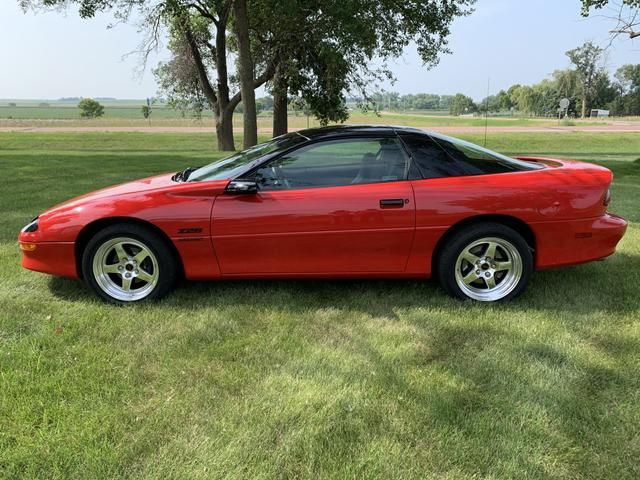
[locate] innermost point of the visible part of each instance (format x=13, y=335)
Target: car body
x=312, y=204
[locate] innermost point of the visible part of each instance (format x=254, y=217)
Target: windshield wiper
x=183, y=176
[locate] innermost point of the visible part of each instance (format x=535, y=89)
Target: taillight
x=607, y=198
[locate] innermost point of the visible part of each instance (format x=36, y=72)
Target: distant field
x=71, y=111
x=128, y=113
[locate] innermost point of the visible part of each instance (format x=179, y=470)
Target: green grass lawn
x=319, y=379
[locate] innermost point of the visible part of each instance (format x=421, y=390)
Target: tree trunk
x=280, y=114
x=224, y=130
x=584, y=103
x=223, y=114
x=224, y=118
x=245, y=69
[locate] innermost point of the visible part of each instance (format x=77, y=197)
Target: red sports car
x=351, y=201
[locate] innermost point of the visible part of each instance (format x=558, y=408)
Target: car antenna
x=486, y=111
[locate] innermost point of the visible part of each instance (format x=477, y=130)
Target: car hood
x=156, y=183
x=136, y=186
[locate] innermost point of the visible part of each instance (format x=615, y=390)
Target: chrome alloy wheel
x=125, y=269
x=488, y=269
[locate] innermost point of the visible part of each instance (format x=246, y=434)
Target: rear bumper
x=572, y=242
x=54, y=258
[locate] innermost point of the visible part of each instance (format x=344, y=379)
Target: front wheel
x=128, y=263
x=486, y=262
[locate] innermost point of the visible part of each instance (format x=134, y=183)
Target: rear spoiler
x=550, y=162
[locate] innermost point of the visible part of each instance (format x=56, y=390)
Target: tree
x=316, y=49
x=586, y=60
x=178, y=79
x=589, y=4
x=604, y=92
x=567, y=82
x=445, y=102
x=493, y=103
x=421, y=101
x=525, y=98
x=147, y=110
x=199, y=31
x=245, y=70
x=462, y=104
x=626, y=15
x=264, y=103
x=503, y=100
x=628, y=85
x=203, y=26
x=89, y=108
x=323, y=49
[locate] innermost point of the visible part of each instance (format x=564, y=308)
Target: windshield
x=471, y=151
x=231, y=166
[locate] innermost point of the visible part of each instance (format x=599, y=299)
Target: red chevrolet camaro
x=352, y=201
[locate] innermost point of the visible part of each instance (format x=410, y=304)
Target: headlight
x=32, y=226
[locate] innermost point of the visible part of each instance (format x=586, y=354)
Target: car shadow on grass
x=608, y=286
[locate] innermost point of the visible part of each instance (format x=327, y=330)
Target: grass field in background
x=128, y=113
x=65, y=112
x=163, y=116
x=321, y=379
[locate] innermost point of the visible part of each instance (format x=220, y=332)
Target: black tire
x=161, y=262
x=449, y=262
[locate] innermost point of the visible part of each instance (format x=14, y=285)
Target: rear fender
x=575, y=189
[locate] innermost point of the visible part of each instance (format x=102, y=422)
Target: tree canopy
x=625, y=13
x=461, y=104
x=587, y=5
x=586, y=60
x=90, y=108
x=620, y=94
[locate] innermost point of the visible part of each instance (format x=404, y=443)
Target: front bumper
x=54, y=258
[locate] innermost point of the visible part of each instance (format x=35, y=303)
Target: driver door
x=332, y=207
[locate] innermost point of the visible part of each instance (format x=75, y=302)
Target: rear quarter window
x=441, y=156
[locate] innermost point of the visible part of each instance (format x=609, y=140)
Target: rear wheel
x=486, y=262
x=128, y=263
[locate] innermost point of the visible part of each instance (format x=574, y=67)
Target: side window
x=430, y=159
x=447, y=157
x=476, y=160
x=336, y=163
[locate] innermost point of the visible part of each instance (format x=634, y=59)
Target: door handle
x=392, y=203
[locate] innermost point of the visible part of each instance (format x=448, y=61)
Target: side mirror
x=236, y=187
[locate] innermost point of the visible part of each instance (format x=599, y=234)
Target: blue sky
x=49, y=55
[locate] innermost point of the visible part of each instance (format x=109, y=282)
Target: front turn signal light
x=27, y=247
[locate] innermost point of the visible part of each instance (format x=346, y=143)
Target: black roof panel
x=348, y=130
